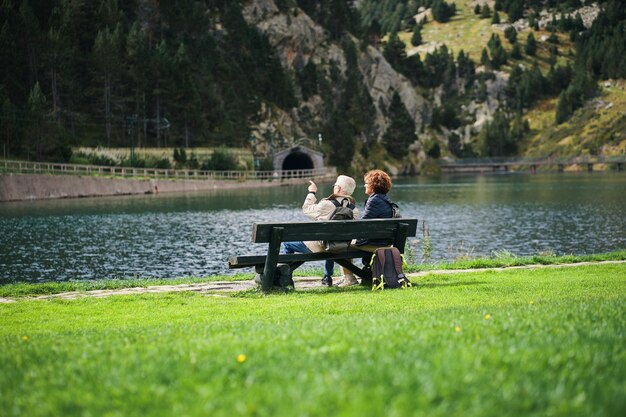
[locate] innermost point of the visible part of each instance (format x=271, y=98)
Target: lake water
x=172, y=235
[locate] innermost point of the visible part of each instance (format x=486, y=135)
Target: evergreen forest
x=188, y=73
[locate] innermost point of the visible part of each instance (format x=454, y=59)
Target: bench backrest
x=336, y=230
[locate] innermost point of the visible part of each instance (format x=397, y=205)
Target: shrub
x=531, y=45
x=163, y=163
x=510, y=34
x=221, y=160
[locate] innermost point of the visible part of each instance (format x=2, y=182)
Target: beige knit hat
x=347, y=185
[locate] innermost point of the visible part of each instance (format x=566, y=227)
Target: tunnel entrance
x=297, y=160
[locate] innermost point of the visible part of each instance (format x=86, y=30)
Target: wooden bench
x=393, y=230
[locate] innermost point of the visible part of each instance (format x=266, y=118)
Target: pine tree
x=8, y=121
x=484, y=58
x=374, y=32
x=563, y=107
x=515, y=10
x=516, y=51
x=485, y=13
x=531, y=45
x=38, y=116
x=395, y=52
x=106, y=55
x=308, y=80
x=401, y=131
x=416, y=39
x=187, y=100
x=495, y=20
x=137, y=59
x=340, y=136
x=498, y=53
x=510, y=34
x=495, y=137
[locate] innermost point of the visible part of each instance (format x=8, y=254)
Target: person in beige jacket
x=342, y=193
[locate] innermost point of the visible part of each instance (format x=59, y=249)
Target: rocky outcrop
x=382, y=81
x=588, y=14
x=298, y=39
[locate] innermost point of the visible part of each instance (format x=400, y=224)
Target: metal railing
x=22, y=167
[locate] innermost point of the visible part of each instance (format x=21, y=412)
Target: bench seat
x=395, y=231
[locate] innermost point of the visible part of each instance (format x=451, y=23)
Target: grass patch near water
x=546, y=342
x=24, y=289
x=508, y=260
x=20, y=289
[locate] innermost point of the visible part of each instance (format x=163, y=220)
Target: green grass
x=22, y=289
x=507, y=260
x=468, y=32
x=546, y=342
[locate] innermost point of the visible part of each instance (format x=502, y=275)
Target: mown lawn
x=543, y=342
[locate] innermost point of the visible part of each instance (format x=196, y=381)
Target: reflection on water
x=193, y=234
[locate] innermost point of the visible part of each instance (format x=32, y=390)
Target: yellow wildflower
x=25, y=338
x=241, y=358
x=487, y=316
x=457, y=329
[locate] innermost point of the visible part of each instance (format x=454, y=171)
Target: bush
x=531, y=45
x=416, y=39
x=266, y=164
x=95, y=159
x=221, y=160
x=434, y=150
x=192, y=162
x=163, y=163
x=442, y=11
x=510, y=34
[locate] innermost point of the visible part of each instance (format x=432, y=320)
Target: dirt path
x=223, y=288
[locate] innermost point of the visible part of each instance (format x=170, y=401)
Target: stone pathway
x=223, y=288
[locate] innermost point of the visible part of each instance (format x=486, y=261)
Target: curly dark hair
x=379, y=180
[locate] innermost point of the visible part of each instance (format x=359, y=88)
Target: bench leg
x=295, y=265
x=267, y=281
x=364, y=273
x=401, y=236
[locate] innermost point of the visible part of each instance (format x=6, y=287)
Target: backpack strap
x=381, y=284
x=338, y=204
x=394, y=208
x=398, y=262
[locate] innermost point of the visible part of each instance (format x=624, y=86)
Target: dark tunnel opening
x=297, y=160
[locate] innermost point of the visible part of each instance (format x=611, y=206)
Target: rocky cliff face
x=298, y=39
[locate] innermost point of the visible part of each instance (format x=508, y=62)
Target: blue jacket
x=377, y=206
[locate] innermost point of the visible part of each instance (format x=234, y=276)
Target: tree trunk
x=143, y=117
x=158, y=115
x=186, y=133
x=107, y=107
x=55, y=95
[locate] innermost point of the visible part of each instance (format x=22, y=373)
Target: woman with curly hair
x=377, y=206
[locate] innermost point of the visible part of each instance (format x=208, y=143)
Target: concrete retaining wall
x=14, y=187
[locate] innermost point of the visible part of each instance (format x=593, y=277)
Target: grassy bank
x=546, y=342
x=505, y=259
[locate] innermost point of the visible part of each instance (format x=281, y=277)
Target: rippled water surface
x=171, y=235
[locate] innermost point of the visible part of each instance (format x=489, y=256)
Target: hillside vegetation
x=598, y=128
x=386, y=83
x=552, y=98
